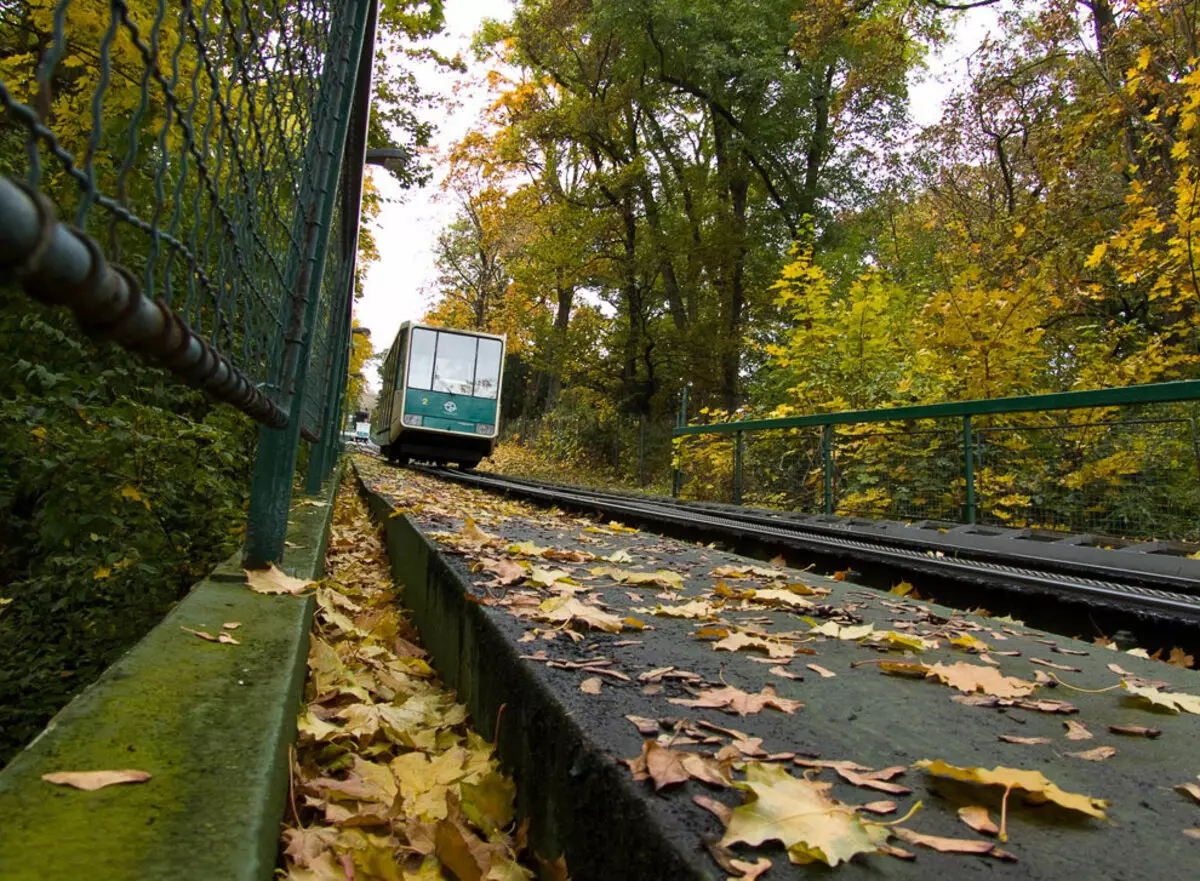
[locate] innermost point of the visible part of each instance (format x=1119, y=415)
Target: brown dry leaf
x=225, y=639
x=870, y=782
x=737, y=641
x=644, y=725
x=1035, y=783
x=799, y=813
x=942, y=844
x=720, y=810
x=1098, y=754
x=1077, y=730
x=822, y=671
x=1180, y=658
x=899, y=853
x=1012, y=738
x=506, y=571
x=591, y=685
x=93, y=780
x=878, y=807
x=1190, y=789
x=208, y=637
x=1041, y=662
x=666, y=766
x=784, y=672
x=750, y=871
x=1135, y=731
x=273, y=580
x=976, y=816
x=739, y=701
x=1192, y=833
x=231, y=625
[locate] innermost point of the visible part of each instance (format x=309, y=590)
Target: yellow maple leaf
x=1039, y=788
x=1161, y=700
x=802, y=815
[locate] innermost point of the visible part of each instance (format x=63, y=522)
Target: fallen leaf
x=1135, y=731
x=93, y=780
x=1180, y=658
x=568, y=610
x=738, y=641
x=209, y=637
x=1099, y=754
x=868, y=782
x=785, y=598
x=666, y=766
x=821, y=671
x=273, y=580
x=1161, y=700
x=1192, y=833
x=644, y=725
x=902, y=589
x=1190, y=789
x=878, y=807
x=799, y=813
x=739, y=701
x=976, y=816
x=1037, y=785
x=1012, y=738
x=942, y=844
x=1077, y=730
x=969, y=678
x=1041, y=662
x=720, y=810
x=591, y=685
x=232, y=625
x=226, y=639
x=750, y=871
x=844, y=631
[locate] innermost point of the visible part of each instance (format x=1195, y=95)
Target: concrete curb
x=578, y=801
x=212, y=723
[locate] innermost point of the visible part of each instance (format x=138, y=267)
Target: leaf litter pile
x=389, y=783
x=728, y=674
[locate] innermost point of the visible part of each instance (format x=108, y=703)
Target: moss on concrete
x=212, y=723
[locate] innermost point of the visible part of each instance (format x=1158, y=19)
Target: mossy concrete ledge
x=211, y=723
x=579, y=802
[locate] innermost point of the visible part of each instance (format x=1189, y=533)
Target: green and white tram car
x=440, y=400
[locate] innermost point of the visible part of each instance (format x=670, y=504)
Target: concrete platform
x=564, y=746
x=211, y=723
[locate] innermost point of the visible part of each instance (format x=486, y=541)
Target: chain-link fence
x=186, y=178
x=1128, y=465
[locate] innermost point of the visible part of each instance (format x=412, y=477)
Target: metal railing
x=206, y=162
x=1122, y=461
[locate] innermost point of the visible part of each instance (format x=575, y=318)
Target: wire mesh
x=180, y=138
x=1130, y=471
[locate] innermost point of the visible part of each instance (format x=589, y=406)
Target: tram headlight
x=485, y=428
x=412, y=420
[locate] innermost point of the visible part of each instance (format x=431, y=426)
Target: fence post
x=275, y=459
x=827, y=457
x=677, y=474
x=968, y=469
x=737, y=467
x=320, y=458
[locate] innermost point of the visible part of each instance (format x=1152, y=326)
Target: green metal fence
x=186, y=177
x=1116, y=461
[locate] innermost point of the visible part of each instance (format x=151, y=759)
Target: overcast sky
x=397, y=287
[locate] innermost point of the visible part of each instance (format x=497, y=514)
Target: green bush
x=119, y=488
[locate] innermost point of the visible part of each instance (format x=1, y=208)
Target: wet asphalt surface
x=859, y=714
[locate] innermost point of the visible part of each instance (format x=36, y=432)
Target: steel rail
x=877, y=551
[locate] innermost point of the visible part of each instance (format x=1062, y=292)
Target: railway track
x=1137, y=578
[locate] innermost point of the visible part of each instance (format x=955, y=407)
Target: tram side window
x=487, y=369
x=454, y=366
x=420, y=358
